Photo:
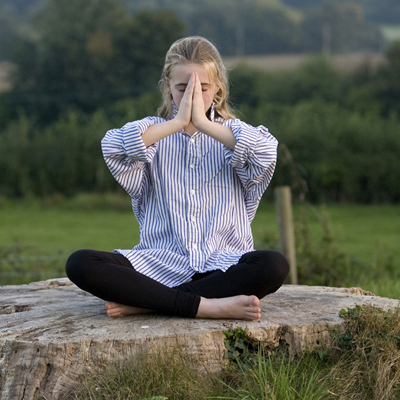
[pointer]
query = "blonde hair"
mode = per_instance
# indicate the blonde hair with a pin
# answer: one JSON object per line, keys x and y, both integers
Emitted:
{"x": 196, "y": 50}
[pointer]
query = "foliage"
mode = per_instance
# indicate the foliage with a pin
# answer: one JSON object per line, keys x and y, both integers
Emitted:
{"x": 320, "y": 262}
{"x": 248, "y": 28}
{"x": 265, "y": 26}
{"x": 339, "y": 27}
{"x": 342, "y": 155}
{"x": 387, "y": 82}
{"x": 268, "y": 26}
{"x": 236, "y": 344}
{"x": 162, "y": 374}
{"x": 337, "y": 140}
{"x": 64, "y": 157}
{"x": 367, "y": 361}
{"x": 383, "y": 11}
{"x": 339, "y": 132}
{"x": 84, "y": 53}
{"x": 276, "y": 377}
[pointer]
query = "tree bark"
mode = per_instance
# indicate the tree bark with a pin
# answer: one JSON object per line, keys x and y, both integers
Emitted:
{"x": 51, "y": 332}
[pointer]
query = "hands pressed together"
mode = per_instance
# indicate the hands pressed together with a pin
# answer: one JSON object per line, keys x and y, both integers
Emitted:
{"x": 192, "y": 109}
{"x": 191, "y": 117}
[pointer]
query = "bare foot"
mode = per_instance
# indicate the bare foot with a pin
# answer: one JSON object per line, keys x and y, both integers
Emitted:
{"x": 120, "y": 310}
{"x": 237, "y": 307}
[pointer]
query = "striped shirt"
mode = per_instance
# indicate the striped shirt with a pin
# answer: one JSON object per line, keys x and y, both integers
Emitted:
{"x": 193, "y": 197}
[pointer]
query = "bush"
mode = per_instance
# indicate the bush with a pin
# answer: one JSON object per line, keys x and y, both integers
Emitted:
{"x": 343, "y": 155}
{"x": 65, "y": 157}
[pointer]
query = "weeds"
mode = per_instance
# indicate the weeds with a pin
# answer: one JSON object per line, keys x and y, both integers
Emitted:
{"x": 319, "y": 262}
{"x": 237, "y": 345}
{"x": 177, "y": 377}
{"x": 367, "y": 355}
{"x": 271, "y": 377}
{"x": 156, "y": 376}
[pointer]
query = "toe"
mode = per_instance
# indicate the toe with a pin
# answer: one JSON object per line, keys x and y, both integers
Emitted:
{"x": 255, "y": 301}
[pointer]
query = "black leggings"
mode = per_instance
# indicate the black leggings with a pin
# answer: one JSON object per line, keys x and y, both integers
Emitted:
{"x": 111, "y": 277}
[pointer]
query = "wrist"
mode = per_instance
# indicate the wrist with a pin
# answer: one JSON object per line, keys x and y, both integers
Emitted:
{"x": 204, "y": 125}
{"x": 181, "y": 122}
{"x": 178, "y": 123}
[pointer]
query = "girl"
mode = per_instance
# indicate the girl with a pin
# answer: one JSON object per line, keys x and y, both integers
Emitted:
{"x": 196, "y": 175}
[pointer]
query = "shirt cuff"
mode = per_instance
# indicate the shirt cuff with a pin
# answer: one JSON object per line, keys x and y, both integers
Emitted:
{"x": 133, "y": 144}
{"x": 247, "y": 138}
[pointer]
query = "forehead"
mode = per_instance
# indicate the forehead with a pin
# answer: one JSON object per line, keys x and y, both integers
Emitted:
{"x": 180, "y": 73}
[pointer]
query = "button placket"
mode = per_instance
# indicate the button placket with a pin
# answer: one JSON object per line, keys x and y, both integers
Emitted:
{"x": 193, "y": 223}
{"x": 192, "y": 159}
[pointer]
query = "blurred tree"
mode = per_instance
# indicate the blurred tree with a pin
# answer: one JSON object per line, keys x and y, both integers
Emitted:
{"x": 85, "y": 53}
{"x": 382, "y": 11}
{"x": 339, "y": 26}
{"x": 19, "y": 7}
{"x": 250, "y": 27}
{"x": 388, "y": 81}
{"x": 7, "y": 33}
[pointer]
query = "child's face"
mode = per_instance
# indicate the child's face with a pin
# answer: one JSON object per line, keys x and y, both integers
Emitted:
{"x": 179, "y": 78}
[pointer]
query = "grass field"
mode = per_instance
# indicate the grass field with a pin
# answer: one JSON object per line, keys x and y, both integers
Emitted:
{"x": 35, "y": 240}
{"x": 361, "y": 231}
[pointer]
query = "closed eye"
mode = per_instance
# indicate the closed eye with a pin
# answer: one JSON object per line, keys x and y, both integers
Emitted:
{"x": 181, "y": 87}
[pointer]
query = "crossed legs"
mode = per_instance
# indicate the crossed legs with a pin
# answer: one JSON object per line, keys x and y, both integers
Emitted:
{"x": 232, "y": 294}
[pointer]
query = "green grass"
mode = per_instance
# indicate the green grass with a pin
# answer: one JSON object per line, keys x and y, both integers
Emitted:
{"x": 65, "y": 228}
{"x": 361, "y": 231}
{"x": 36, "y": 239}
{"x": 359, "y": 241}
{"x": 367, "y": 236}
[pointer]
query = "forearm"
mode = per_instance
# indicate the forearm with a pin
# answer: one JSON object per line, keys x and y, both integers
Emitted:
{"x": 156, "y": 132}
{"x": 218, "y": 132}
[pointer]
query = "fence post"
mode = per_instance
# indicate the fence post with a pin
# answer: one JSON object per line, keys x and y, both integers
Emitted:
{"x": 284, "y": 212}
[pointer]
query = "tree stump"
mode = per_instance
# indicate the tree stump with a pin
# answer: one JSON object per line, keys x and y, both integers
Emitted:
{"x": 51, "y": 332}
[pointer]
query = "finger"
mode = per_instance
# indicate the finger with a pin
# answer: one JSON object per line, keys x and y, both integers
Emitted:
{"x": 198, "y": 96}
{"x": 191, "y": 84}
{"x": 188, "y": 95}
{"x": 197, "y": 87}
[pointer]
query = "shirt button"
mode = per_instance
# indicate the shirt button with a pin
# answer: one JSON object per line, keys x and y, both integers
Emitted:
{"x": 192, "y": 191}
{"x": 193, "y": 218}
{"x": 192, "y": 166}
{"x": 194, "y": 246}
{"x": 191, "y": 141}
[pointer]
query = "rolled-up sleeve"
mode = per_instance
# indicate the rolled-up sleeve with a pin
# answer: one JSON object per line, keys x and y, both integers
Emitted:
{"x": 126, "y": 155}
{"x": 254, "y": 156}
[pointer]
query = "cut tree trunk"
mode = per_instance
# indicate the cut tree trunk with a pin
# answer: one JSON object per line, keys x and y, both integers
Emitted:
{"x": 52, "y": 333}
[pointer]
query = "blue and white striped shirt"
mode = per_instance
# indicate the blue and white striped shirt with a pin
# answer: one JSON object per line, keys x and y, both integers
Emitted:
{"x": 193, "y": 197}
